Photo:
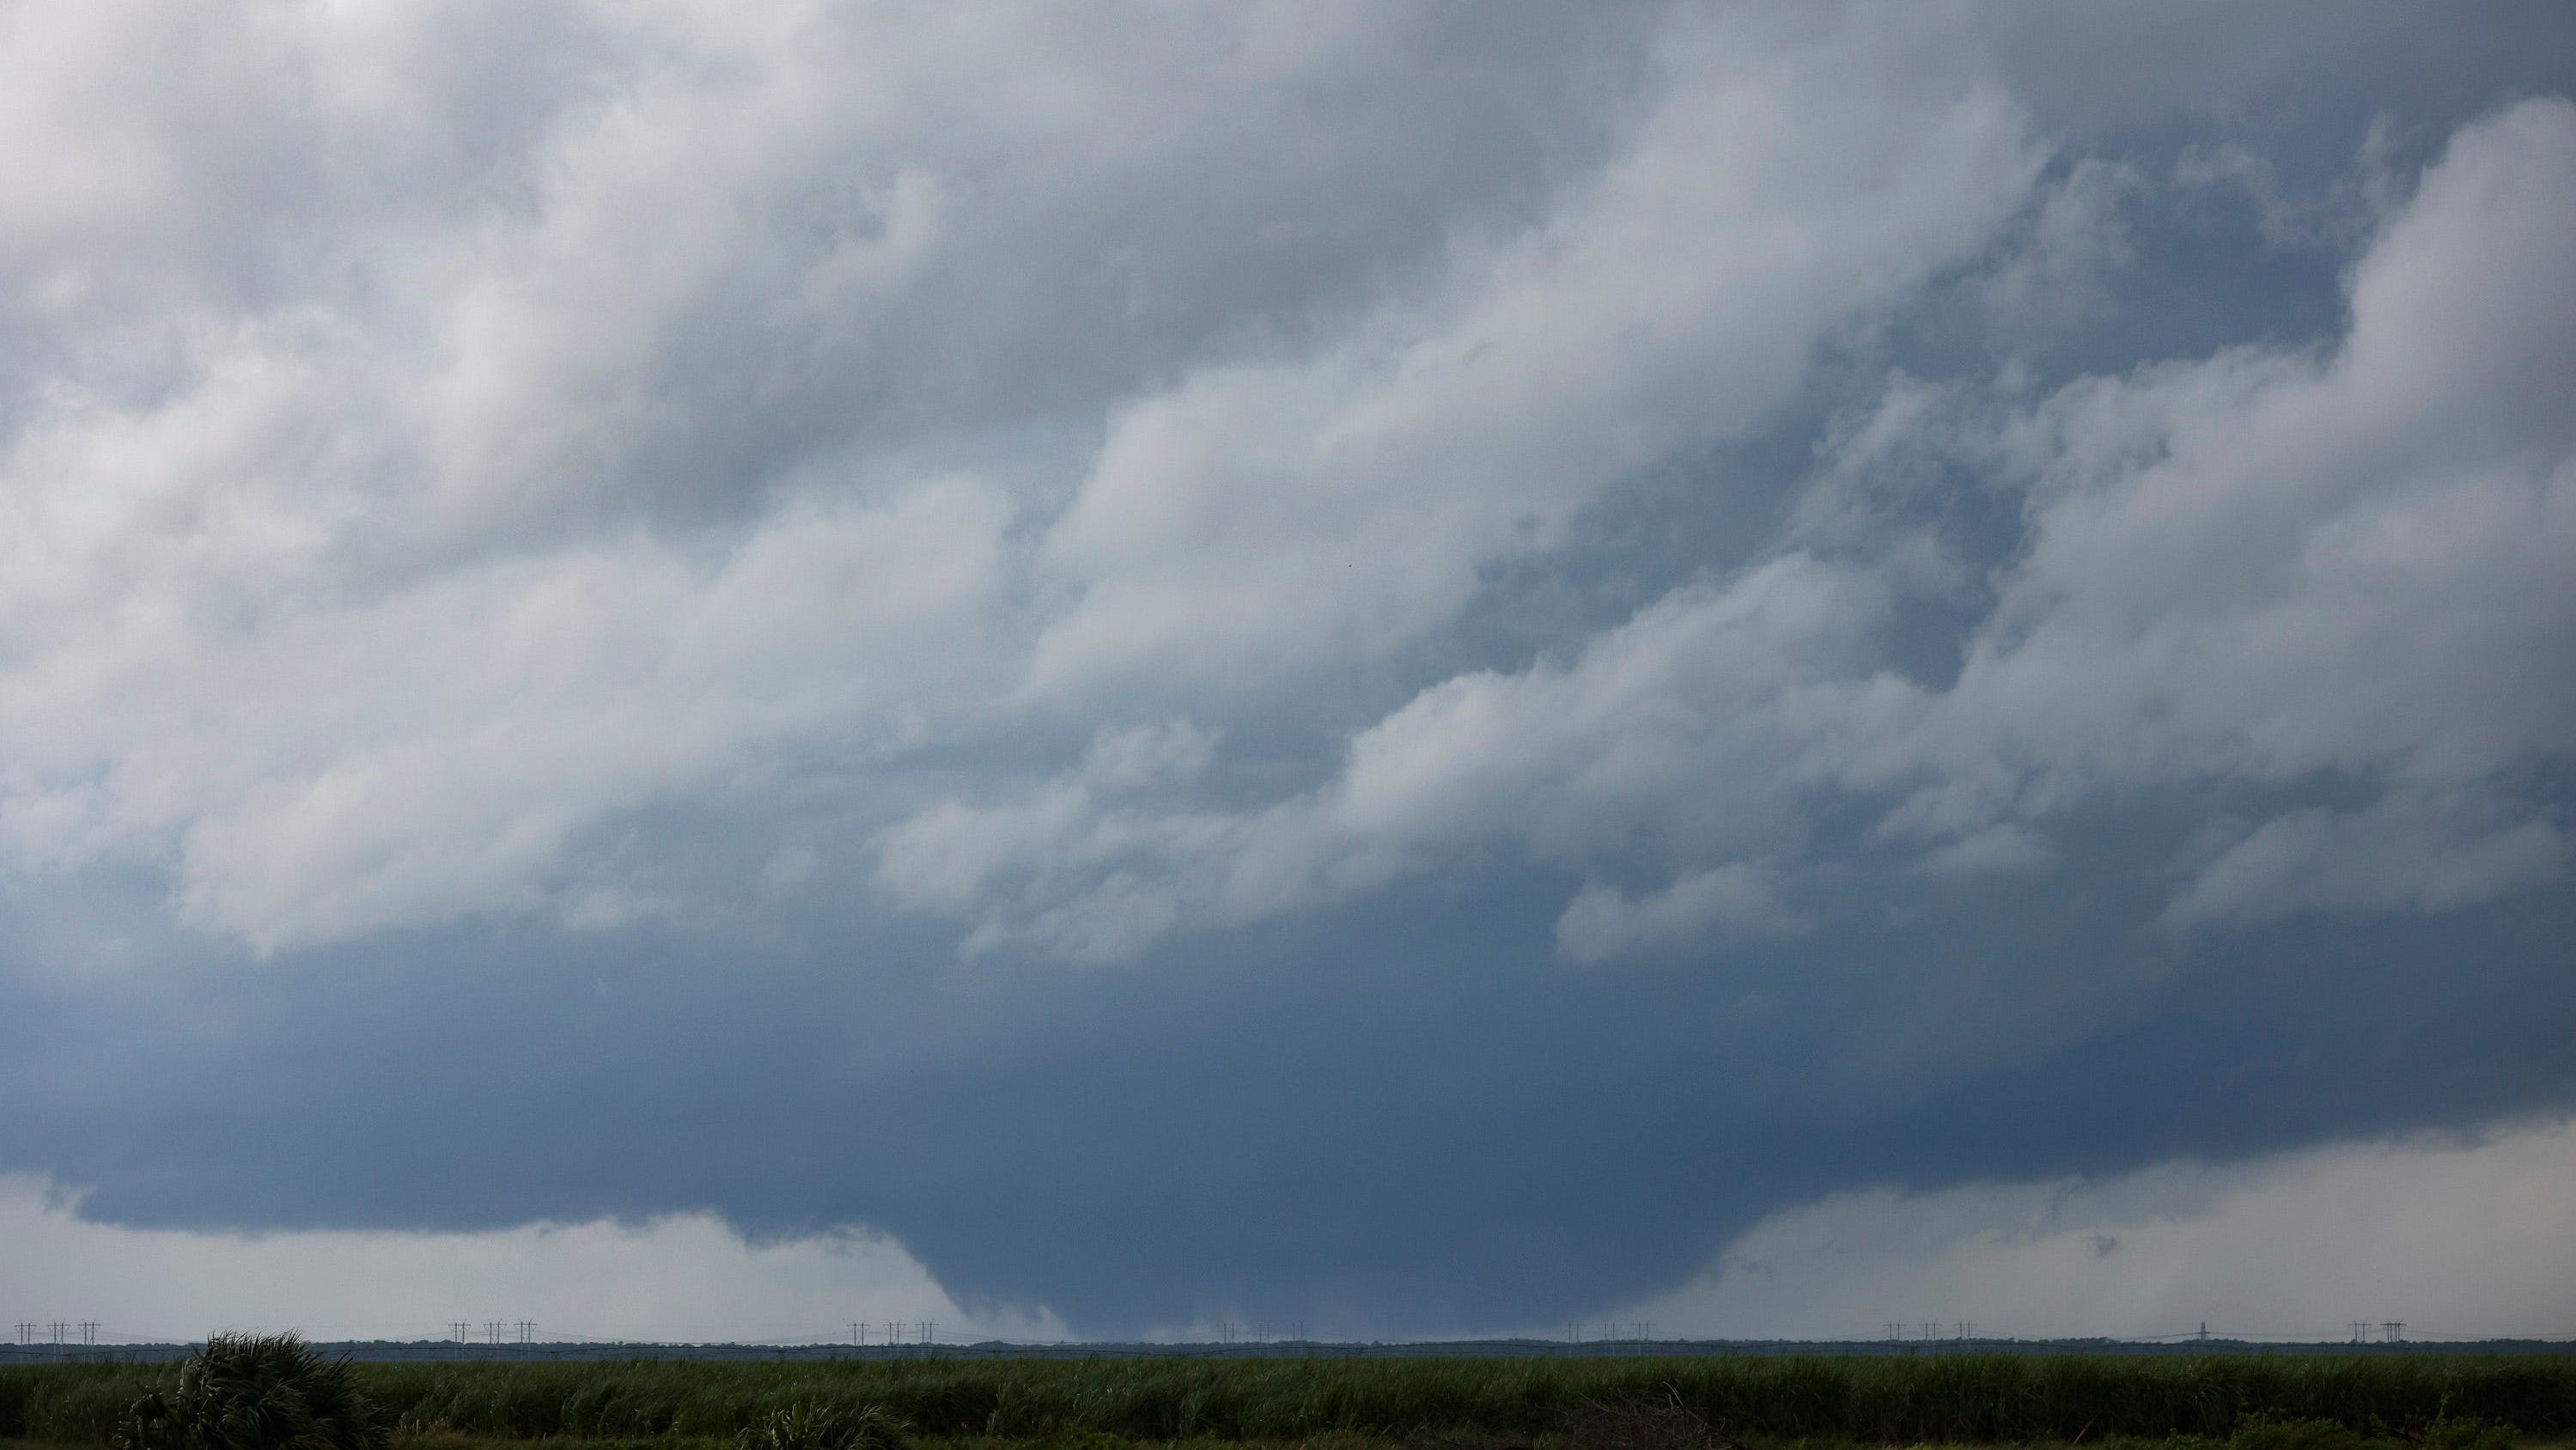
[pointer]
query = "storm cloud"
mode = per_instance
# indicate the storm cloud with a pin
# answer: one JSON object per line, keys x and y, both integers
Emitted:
{"x": 1400, "y": 666}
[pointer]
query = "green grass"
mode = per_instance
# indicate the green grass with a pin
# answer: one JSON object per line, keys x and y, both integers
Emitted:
{"x": 2113, "y": 1403}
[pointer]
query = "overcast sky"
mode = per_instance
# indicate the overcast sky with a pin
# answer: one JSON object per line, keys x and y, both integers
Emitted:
{"x": 696, "y": 669}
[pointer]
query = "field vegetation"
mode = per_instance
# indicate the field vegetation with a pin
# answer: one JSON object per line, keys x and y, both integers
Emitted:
{"x": 2217, "y": 1402}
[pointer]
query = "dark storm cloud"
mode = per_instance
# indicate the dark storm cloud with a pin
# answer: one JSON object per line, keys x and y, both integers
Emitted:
{"x": 1405, "y": 1117}
{"x": 1396, "y": 667}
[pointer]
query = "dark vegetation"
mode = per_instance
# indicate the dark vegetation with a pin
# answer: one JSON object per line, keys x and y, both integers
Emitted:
{"x": 2239, "y": 1402}
{"x": 824, "y": 1425}
{"x": 253, "y": 1392}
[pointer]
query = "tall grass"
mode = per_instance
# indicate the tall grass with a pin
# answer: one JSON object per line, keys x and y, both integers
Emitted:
{"x": 1893, "y": 1400}
{"x": 256, "y": 1392}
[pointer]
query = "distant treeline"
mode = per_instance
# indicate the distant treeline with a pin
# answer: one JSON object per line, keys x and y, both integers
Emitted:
{"x": 1888, "y": 1400}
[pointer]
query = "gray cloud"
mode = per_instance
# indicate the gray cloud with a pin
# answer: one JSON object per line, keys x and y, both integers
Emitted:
{"x": 2460, "y": 1247}
{"x": 719, "y": 553}
{"x": 1343, "y": 504}
{"x": 2258, "y": 568}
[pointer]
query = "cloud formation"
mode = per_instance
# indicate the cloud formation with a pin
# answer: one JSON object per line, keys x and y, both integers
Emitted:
{"x": 686, "y": 1278}
{"x": 2251, "y": 570}
{"x": 879, "y": 602}
{"x": 2452, "y": 1237}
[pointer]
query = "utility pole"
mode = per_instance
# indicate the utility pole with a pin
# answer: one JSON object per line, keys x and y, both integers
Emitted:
{"x": 58, "y": 1327}
{"x": 1967, "y": 1330}
{"x": 1931, "y": 1331}
{"x": 2396, "y": 1330}
{"x": 2360, "y": 1331}
{"x": 89, "y": 1332}
{"x": 527, "y": 1331}
{"x": 26, "y": 1332}
{"x": 1895, "y": 1331}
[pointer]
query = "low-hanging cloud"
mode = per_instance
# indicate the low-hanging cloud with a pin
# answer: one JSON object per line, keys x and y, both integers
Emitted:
{"x": 685, "y": 1277}
{"x": 2454, "y": 1238}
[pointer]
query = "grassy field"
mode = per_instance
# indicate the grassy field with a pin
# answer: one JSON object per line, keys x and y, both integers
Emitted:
{"x": 2431, "y": 1402}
